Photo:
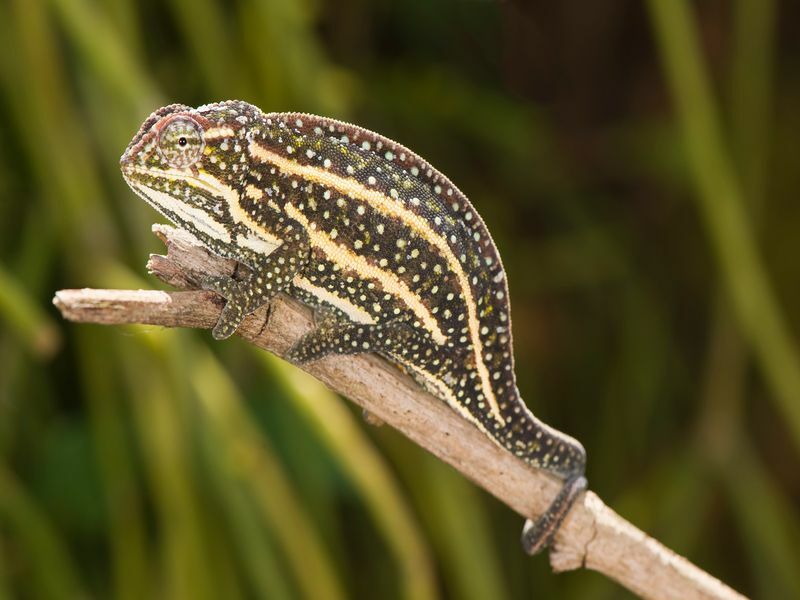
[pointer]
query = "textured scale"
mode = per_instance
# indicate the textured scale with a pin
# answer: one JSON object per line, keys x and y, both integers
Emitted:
{"x": 390, "y": 254}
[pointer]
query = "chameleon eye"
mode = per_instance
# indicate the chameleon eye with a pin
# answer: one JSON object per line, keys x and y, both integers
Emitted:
{"x": 180, "y": 142}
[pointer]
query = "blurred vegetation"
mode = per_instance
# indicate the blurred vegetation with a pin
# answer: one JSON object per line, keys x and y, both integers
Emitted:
{"x": 634, "y": 162}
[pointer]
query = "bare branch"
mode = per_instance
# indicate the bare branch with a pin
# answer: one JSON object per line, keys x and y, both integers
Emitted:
{"x": 593, "y": 536}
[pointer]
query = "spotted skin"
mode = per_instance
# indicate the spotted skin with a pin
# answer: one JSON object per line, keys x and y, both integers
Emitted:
{"x": 388, "y": 252}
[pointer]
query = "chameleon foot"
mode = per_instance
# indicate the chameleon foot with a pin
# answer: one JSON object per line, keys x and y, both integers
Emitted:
{"x": 537, "y": 535}
{"x": 236, "y": 305}
{"x": 335, "y": 337}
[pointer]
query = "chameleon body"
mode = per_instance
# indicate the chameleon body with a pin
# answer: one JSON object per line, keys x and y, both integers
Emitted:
{"x": 391, "y": 256}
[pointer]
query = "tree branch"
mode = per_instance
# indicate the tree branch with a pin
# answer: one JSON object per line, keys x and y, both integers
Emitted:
{"x": 593, "y": 536}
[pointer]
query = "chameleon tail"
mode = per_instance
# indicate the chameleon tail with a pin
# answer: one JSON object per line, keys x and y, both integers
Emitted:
{"x": 551, "y": 450}
{"x": 537, "y": 535}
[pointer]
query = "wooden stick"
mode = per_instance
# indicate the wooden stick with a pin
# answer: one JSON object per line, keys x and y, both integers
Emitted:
{"x": 593, "y": 536}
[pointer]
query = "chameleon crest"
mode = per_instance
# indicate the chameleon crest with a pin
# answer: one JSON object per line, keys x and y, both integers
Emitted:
{"x": 391, "y": 256}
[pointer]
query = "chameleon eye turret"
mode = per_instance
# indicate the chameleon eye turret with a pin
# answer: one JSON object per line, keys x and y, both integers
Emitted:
{"x": 387, "y": 250}
{"x": 180, "y": 142}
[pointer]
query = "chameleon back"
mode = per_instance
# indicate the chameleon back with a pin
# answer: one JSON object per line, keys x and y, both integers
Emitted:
{"x": 393, "y": 240}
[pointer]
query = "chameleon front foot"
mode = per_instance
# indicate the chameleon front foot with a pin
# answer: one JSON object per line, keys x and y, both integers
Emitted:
{"x": 537, "y": 535}
{"x": 237, "y": 305}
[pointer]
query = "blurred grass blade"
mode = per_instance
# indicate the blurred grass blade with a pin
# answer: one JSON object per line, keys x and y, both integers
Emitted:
{"x": 32, "y": 326}
{"x": 56, "y": 142}
{"x": 50, "y": 569}
{"x": 451, "y": 510}
{"x": 290, "y": 64}
{"x": 205, "y": 25}
{"x": 751, "y": 93}
{"x": 132, "y": 577}
{"x": 722, "y": 204}
{"x": 128, "y": 21}
{"x": 254, "y": 548}
{"x": 357, "y": 457}
{"x": 95, "y": 36}
{"x": 5, "y": 594}
{"x": 156, "y": 407}
{"x": 253, "y": 462}
{"x": 769, "y": 525}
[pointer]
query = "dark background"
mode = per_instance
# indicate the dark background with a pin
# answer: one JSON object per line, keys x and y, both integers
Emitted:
{"x": 637, "y": 165}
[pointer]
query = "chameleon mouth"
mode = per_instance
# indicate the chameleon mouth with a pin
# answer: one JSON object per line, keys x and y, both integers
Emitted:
{"x": 202, "y": 181}
{"x": 183, "y": 213}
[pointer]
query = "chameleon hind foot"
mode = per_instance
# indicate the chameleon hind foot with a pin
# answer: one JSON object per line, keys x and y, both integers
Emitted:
{"x": 537, "y": 535}
{"x": 333, "y": 336}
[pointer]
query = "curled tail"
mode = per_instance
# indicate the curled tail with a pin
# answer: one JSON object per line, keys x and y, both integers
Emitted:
{"x": 548, "y": 449}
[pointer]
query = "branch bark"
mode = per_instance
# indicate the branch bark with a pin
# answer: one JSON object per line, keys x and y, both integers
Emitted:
{"x": 593, "y": 535}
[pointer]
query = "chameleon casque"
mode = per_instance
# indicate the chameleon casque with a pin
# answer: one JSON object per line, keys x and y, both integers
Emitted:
{"x": 391, "y": 256}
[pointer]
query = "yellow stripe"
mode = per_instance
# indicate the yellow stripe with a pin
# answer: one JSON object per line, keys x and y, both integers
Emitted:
{"x": 217, "y": 188}
{"x": 253, "y": 192}
{"x": 197, "y": 217}
{"x": 355, "y": 312}
{"x": 239, "y": 214}
{"x": 390, "y": 282}
{"x": 218, "y": 132}
{"x": 446, "y": 394}
{"x": 394, "y": 208}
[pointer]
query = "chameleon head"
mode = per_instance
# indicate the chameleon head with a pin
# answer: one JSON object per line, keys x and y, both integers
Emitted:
{"x": 190, "y": 163}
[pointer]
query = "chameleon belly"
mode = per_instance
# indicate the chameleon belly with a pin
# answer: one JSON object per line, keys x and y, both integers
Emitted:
{"x": 391, "y": 255}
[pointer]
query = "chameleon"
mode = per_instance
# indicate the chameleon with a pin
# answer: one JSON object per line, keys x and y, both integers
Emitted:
{"x": 389, "y": 254}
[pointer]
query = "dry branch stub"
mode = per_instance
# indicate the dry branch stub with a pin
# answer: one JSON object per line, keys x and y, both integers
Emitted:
{"x": 593, "y": 535}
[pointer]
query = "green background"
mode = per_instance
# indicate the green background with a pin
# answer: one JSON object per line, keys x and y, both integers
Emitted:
{"x": 637, "y": 165}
